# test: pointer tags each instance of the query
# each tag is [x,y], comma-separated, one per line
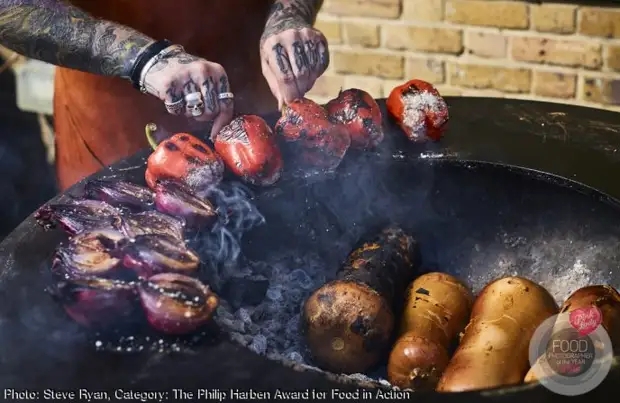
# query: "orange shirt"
[99,120]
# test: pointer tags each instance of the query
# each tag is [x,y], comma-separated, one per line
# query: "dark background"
[26,179]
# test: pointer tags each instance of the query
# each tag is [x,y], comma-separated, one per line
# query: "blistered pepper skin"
[185,159]
[320,143]
[419,110]
[361,116]
[249,149]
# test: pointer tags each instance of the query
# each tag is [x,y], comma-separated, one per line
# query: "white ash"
[561,264]
[273,326]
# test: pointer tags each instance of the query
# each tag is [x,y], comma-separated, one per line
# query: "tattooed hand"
[180,74]
[293,53]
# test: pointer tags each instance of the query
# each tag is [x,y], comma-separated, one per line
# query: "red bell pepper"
[360,114]
[419,110]
[184,159]
[249,149]
[320,143]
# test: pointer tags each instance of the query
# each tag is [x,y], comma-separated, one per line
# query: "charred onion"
[153,254]
[177,304]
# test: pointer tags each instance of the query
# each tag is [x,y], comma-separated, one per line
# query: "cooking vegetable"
[120,194]
[184,159]
[76,216]
[419,110]
[360,114]
[348,322]
[153,222]
[436,311]
[603,297]
[173,199]
[88,254]
[153,254]
[96,302]
[494,349]
[177,304]
[318,142]
[249,149]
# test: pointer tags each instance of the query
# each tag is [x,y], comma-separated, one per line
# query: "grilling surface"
[478,222]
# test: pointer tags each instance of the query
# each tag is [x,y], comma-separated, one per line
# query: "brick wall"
[556,52]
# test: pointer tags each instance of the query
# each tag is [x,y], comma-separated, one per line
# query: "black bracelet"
[150,52]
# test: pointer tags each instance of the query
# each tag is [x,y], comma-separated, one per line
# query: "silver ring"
[174,107]
[194,104]
[225,95]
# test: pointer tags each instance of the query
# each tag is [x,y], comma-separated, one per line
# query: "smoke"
[220,247]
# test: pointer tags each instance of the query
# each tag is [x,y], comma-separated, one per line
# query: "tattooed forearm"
[291,14]
[56,32]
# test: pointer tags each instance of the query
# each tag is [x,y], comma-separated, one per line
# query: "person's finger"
[194,103]
[272,81]
[226,104]
[173,99]
[280,64]
[323,53]
[311,47]
[299,63]
[208,88]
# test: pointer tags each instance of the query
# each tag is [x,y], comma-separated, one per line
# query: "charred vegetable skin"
[184,159]
[249,149]
[360,114]
[120,194]
[603,297]
[419,110]
[176,200]
[437,309]
[101,272]
[348,322]
[76,216]
[320,143]
[493,351]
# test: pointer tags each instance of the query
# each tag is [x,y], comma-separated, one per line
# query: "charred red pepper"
[360,114]
[320,142]
[419,110]
[249,149]
[182,158]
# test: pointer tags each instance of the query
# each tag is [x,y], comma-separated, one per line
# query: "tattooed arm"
[287,14]
[294,54]
[58,33]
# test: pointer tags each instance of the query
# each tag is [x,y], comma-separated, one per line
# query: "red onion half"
[177,304]
[152,254]
[97,302]
[88,254]
[173,199]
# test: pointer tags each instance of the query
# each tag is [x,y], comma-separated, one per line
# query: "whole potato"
[349,322]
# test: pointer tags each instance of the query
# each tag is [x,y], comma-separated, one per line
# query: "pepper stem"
[149,129]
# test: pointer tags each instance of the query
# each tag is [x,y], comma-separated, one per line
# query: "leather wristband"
[147,54]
